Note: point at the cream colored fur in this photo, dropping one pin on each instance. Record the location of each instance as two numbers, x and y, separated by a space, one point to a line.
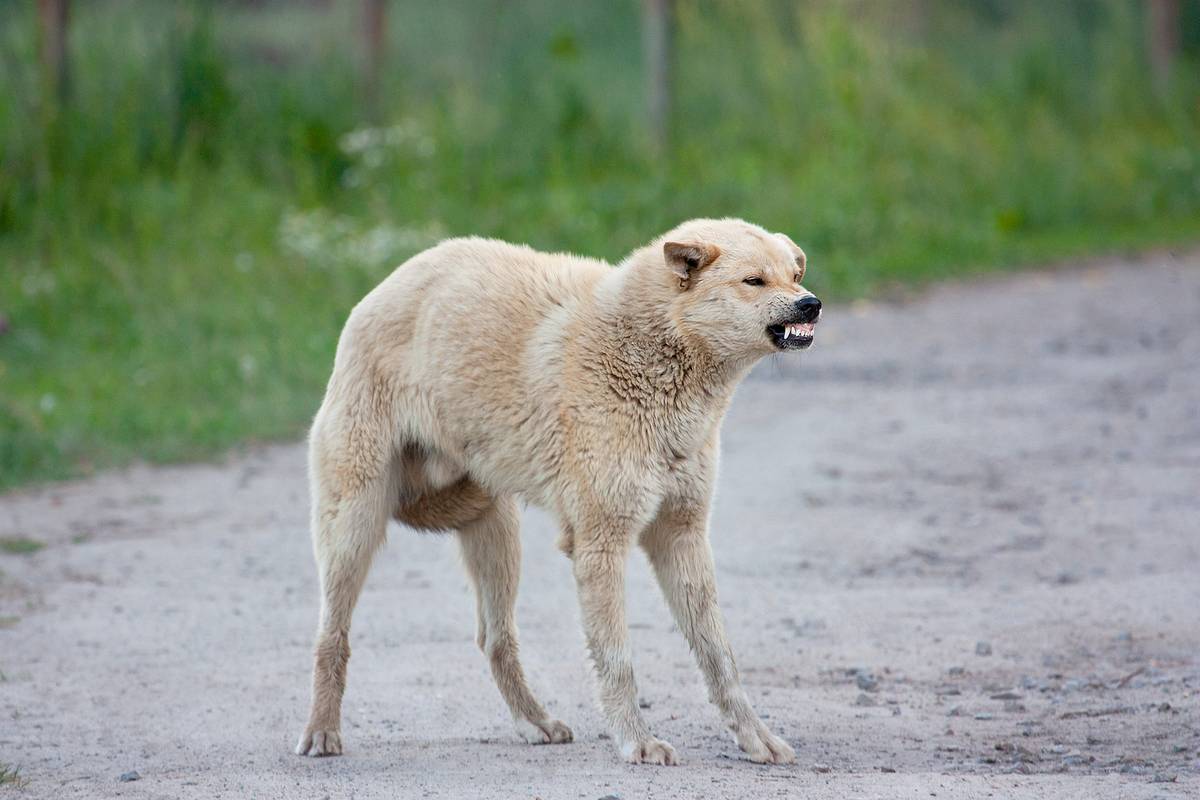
480 372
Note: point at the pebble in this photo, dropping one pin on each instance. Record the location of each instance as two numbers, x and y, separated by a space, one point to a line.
822 768
132 775
864 700
983 716
1019 752
643 703
956 670
983 648
867 682
1009 695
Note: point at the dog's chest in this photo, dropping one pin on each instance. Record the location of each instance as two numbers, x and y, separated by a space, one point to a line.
684 455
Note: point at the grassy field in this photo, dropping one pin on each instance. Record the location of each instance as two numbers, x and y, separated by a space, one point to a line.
182 240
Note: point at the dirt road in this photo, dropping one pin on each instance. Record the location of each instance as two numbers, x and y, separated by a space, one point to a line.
958 545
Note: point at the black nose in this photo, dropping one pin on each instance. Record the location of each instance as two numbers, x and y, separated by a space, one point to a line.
809 308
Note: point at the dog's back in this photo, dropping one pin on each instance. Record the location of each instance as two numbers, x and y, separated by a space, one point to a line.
462 340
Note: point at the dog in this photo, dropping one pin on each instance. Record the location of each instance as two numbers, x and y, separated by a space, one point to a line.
480 372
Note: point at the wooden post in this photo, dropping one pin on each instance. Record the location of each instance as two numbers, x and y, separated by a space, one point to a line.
656 53
1162 39
374 31
52 31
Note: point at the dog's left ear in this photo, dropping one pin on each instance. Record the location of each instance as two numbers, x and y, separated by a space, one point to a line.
687 258
797 253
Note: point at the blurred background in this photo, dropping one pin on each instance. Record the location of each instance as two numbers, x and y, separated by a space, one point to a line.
194 194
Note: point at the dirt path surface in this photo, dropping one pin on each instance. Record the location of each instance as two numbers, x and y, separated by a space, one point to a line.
958 546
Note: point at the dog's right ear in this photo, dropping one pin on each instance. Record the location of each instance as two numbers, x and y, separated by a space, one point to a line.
687 258
797 253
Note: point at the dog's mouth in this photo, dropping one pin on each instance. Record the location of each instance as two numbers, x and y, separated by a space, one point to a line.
793 335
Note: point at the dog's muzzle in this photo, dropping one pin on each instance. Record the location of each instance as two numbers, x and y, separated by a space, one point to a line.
796 332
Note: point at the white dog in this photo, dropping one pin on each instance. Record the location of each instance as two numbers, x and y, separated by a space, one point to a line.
479 372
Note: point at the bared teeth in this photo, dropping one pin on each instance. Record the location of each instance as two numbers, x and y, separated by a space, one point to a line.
797 330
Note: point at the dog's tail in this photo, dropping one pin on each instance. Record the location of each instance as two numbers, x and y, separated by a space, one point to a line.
446 509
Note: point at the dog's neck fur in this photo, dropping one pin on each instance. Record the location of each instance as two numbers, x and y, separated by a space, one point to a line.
649 360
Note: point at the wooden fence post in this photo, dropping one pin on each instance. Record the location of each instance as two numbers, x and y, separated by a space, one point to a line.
52 31
656 54
1162 39
374 32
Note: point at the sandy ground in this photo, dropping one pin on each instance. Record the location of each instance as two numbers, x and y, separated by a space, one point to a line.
959 553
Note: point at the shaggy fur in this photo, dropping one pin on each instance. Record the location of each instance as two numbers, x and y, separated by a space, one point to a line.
479 372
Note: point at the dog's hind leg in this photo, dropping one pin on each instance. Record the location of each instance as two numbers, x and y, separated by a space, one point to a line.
350 511
491 548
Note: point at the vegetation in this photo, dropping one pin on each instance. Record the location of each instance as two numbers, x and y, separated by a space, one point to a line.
19 545
182 238
11 776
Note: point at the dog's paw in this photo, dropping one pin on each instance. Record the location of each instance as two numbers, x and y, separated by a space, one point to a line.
320 743
763 747
650 751
548 731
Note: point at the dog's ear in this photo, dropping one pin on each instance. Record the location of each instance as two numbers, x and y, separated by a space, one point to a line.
687 258
797 253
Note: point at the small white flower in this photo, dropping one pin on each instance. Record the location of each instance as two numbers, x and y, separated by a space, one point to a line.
37 283
329 240
372 144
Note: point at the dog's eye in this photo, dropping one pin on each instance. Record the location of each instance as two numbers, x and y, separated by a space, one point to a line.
755 281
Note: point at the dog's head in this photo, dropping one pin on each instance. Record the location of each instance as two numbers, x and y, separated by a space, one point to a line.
738 287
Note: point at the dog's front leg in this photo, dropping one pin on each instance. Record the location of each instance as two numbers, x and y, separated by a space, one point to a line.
677 545
599 565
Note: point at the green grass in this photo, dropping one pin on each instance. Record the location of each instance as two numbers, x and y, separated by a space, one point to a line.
11 776
180 243
19 545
